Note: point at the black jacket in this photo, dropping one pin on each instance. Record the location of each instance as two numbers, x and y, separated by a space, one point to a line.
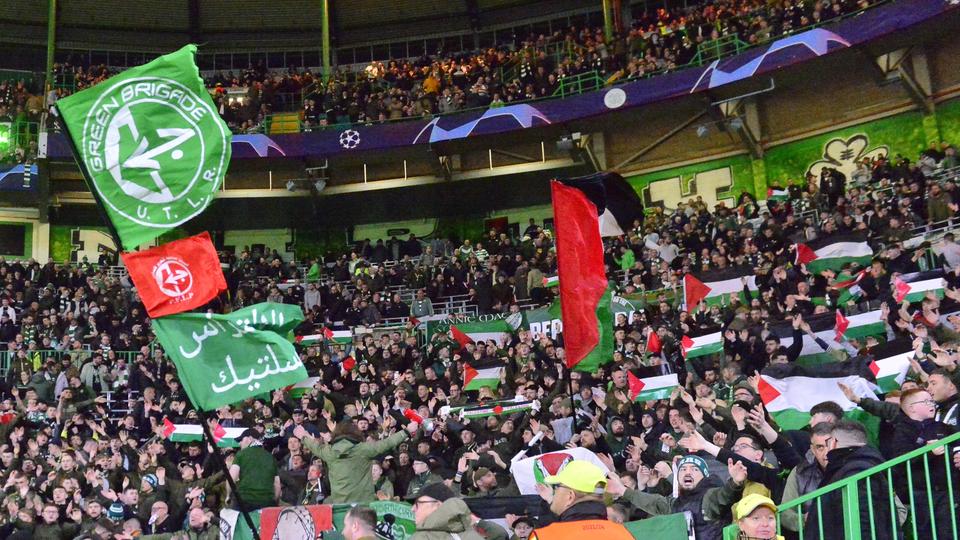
844 463
908 435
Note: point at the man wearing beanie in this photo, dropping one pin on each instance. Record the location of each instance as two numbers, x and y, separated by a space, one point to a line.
579 507
705 497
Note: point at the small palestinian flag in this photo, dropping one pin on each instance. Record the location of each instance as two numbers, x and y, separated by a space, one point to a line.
654 344
834 252
823 326
472 332
692 347
298 390
716 286
552 281
859 326
914 287
224 437
891 362
311 339
651 388
778 194
476 375
341 337
848 286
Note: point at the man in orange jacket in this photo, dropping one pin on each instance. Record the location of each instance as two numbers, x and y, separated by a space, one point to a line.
579 506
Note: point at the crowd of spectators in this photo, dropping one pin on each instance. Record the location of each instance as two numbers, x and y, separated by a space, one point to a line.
75 462
20 106
525 68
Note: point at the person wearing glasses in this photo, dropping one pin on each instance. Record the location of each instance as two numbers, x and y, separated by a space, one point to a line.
917 428
578 504
440 515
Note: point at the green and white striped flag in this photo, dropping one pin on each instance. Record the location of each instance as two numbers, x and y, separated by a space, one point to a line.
891 362
552 281
834 252
341 337
298 390
487 373
311 339
777 194
860 325
914 287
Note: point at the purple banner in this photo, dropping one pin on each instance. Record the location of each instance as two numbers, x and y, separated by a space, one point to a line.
869 25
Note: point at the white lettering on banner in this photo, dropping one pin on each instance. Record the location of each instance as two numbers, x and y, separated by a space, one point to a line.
253 378
552 329
707 184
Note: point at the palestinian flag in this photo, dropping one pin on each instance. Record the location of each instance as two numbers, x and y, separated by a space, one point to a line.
472 332
811 353
585 305
224 437
778 194
914 287
716 286
311 339
834 252
618 204
692 347
848 286
651 388
789 391
859 326
891 362
476 375
298 390
552 281
340 337
496 409
534 470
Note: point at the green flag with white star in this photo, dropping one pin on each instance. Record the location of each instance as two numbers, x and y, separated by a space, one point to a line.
151 145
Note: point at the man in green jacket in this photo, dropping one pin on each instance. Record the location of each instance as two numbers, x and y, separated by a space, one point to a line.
441 516
348 459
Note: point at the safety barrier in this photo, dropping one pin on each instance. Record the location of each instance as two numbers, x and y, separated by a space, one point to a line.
7 357
928 497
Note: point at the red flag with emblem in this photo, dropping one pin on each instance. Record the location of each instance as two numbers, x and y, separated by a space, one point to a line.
178 276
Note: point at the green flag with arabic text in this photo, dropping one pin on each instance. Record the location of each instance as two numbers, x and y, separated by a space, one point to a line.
151 145
223 359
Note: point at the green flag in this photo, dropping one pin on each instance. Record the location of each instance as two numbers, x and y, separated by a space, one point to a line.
223 359
151 144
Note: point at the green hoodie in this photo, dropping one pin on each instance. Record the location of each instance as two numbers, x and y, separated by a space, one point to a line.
451 517
348 465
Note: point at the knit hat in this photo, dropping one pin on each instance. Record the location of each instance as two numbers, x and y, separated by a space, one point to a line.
115 512
152 480
696 461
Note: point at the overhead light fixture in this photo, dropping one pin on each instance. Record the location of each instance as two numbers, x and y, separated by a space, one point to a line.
320 185
702 131
736 123
291 185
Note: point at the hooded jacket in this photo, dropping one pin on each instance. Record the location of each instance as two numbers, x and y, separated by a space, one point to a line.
348 465
450 518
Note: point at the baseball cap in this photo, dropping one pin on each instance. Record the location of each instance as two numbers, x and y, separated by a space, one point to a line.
750 503
579 475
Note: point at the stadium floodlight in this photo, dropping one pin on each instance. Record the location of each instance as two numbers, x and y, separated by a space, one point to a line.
291 185
6 138
703 131
736 123
320 185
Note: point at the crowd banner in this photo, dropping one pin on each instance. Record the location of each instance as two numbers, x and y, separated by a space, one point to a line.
279 523
534 470
394 519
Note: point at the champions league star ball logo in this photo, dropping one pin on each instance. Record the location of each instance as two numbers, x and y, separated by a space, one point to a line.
550 465
162 176
349 139
173 277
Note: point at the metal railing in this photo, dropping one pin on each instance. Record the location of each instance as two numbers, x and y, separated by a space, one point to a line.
855 488
7 357
709 51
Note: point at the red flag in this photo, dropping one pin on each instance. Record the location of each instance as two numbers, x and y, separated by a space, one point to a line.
412 416
842 324
580 263
177 276
348 363
218 433
653 342
168 428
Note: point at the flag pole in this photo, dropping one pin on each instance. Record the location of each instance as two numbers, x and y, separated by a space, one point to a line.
220 461
87 180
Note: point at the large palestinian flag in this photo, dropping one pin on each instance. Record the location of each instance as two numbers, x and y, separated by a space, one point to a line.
618 204
789 391
834 252
716 286
914 287
585 306
534 470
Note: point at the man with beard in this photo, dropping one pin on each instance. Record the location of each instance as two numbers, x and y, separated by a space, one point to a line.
705 497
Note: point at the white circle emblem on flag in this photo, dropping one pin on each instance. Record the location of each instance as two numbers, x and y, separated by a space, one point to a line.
163 146
173 277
